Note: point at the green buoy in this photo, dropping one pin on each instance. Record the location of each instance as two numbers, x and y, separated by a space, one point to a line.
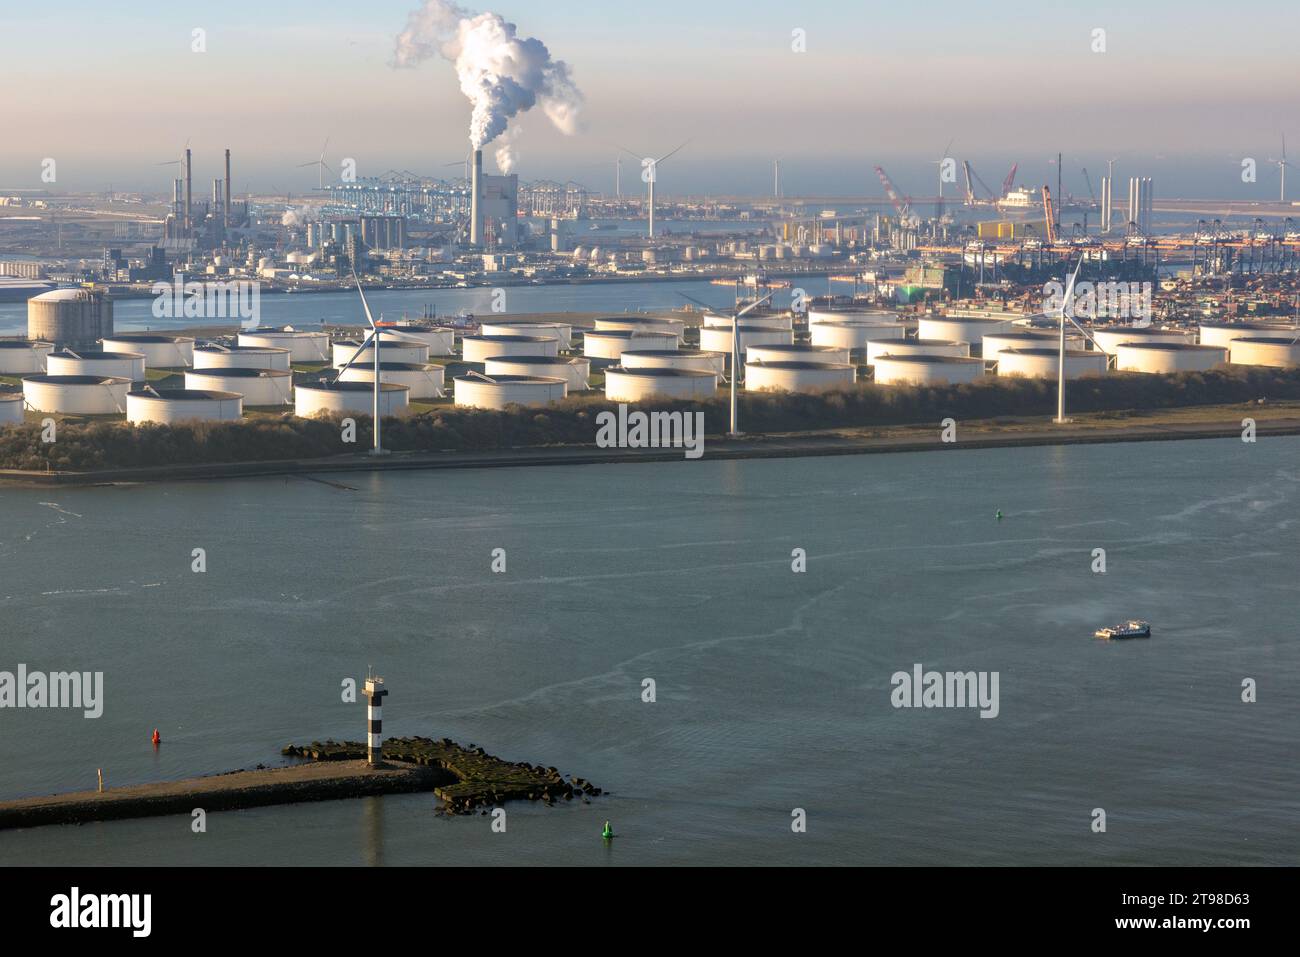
608 833
999 515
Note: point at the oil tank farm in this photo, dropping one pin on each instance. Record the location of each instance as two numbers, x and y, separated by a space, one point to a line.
995 342
23 356
11 408
408 350
914 347
482 348
637 385
304 347
698 359
1110 338
927 370
610 344
169 406
1042 362
76 394
968 329
1168 357
1258 351
242 357
260 387
424 379
718 338
782 352
755 319
128 365
798 376
70 318
642 324
530 327
350 398
853 335
1222 333
440 340
159 351
496 392
574 370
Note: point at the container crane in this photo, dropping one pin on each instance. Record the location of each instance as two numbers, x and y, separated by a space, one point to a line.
1050 215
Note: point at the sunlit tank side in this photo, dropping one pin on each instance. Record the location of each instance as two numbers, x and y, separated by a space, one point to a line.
1044 363
637 385
1167 357
914 347
718 338
23 356
562 331
1222 333
641 324
482 348
169 406
574 370
927 370
128 365
497 392
1259 351
853 335
261 388
425 379
970 330
305 347
11 408
159 351
609 345
406 350
797 376
76 394
751 319
350 398
785 352
698 359
441 340
242 357
1112 337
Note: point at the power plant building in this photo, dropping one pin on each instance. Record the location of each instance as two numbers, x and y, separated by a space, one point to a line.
494 208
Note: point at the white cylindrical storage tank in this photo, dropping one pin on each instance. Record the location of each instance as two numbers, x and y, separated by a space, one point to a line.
1109 339
306 347
242 357
1222 333
782 352
957 329
853 335
637 385
351 398
612 343
574 370
871 317
23 356
499 391
76 394
159 351
914 347
259 387
995 342
718 338
927 370
424 379
168 406
758 320
482 348
1258 351
642 324
1168 357
1043 362
441 340
11 408
127 365
530 327
406 351
697 359
797 376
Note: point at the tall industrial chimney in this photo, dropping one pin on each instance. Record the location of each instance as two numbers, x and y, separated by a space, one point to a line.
189 182
225 209
475 214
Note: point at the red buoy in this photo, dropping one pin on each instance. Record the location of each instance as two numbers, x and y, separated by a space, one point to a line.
157 738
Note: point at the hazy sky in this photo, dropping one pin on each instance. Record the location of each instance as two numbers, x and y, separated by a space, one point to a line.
1184 90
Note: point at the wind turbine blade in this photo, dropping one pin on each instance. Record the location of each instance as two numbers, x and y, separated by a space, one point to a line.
946 150
703 305
312 163
636 156
756 302
365 341
1067 299
365 305
666 155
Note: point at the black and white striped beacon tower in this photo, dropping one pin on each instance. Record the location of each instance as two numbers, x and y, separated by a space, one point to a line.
375 692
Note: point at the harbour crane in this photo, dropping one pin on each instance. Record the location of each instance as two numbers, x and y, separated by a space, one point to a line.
1088 179
902 205
1010 180
1050 214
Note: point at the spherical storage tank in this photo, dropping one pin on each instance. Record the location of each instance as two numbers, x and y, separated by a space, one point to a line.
530 327
309 347
1168 357
1222 333
718 338
259 387
159 351
440 340
958 329
636 385
1110 339
499 391
574 370
853 335
482 348
21 356
798 376
927 370
407 350
129 365
642 324
1259 351
242 357
424 379
612 343
76 394
674 359
182 405
354 398
783 352
914 347
11 408
1044 362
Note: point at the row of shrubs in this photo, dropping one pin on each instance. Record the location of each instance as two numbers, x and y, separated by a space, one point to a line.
103 445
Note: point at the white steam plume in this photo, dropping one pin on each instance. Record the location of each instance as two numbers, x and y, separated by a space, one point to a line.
299 217
501 73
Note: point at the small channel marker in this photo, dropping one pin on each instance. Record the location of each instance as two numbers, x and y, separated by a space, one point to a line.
374 692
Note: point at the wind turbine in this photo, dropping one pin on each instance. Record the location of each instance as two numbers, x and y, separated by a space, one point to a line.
1282 164
652 166
372 336
320 165
938 207
734 432
1066 311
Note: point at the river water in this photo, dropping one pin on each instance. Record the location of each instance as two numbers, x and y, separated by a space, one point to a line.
772 688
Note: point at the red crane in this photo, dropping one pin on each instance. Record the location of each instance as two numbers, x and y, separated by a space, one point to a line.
1050 215
901 206
1010 180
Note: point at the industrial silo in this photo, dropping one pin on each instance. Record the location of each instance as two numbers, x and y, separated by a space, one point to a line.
11 408
87 362
1168 357
1222 333
169 406
261 388
802 352
611 344
76 394
753 318
1020 338
482 348
927 370
407 350
530 327
159 351
718 338
1259 351
498 391
574 370
1044 362
350 398
242 357
872 317
637 385
853 335
914 347
699 359
70 318
23 356
642 324
441 340
970 330
424 379
304 347
797 376
1109 338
